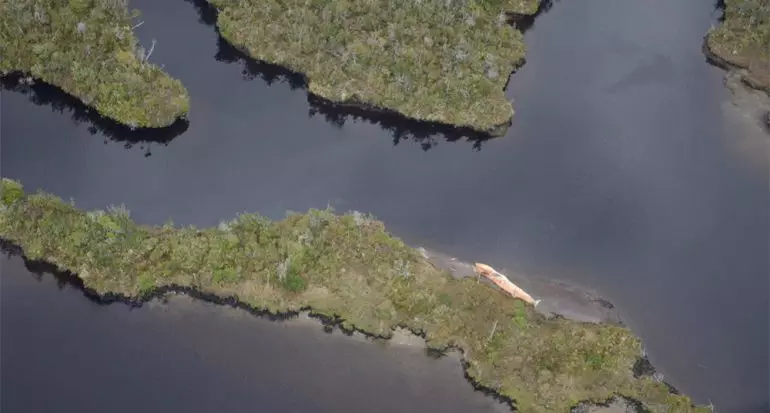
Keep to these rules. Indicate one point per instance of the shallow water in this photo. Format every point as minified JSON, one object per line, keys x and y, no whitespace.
{"x":617,"y":174}
{"x":60,"y":349}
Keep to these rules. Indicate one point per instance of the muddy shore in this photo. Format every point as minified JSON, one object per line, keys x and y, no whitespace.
{"x":558,"y":298}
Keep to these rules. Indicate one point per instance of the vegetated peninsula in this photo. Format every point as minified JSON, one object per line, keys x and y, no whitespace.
{"x":443,"y":61}
{"x":743,"y":41}
{"x":346,"y":268}
{"x":88,"y":49}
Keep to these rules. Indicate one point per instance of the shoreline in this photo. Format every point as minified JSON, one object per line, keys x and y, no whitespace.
{"x":347,"y":271}
{"x":441,"y":111}
{"x":717,"y":60}
{"x":401,"y":335}
{"x":328,"y":324}
{"x":740,"y":43}
{"x":339,"y":113}
{"x":560,"y":299}
{"x":368,"y":111}
{"x":407,"y":85}
{"x":88,"y":49}
{"x":42,"y":93}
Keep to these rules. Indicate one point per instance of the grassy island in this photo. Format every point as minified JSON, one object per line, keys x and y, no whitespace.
{"x":743,"y":40}
{"x":443,"y":61}
{"x":347,"y":268}
{"x":87,"y":48}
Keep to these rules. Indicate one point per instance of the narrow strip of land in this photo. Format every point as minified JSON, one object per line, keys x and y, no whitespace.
{"x":344,"y":267}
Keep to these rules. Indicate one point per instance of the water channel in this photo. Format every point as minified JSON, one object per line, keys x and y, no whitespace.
{"x":619,"y":174}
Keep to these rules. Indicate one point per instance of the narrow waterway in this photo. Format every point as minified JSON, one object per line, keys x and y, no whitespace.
{"x":619,"y":173}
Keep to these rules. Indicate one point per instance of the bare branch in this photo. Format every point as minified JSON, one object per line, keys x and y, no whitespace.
{"x":494,"y":327}
{"x":137,"y":25}
{"x":146,"y":58}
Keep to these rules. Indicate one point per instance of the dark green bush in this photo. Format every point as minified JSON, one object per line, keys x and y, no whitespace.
{"x":10,"y":192}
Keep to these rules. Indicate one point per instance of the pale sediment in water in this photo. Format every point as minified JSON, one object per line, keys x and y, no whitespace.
{"x":747,"y":115}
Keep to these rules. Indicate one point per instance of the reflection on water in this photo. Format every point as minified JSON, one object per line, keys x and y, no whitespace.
{"x":257,"y":69}
{"x":616,"y":174}
{"x":525,"y":22}
{"x":58,"y":349}
{"x":427,"y":134}
{"x":719,"y":10}
{"x":44,"y":94}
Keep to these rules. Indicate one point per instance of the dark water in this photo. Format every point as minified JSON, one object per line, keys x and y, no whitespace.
{"x":617,"y":174}
{"x":63,"y":353}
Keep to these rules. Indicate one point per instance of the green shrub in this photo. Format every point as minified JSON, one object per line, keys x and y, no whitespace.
{"x":145,"y":284}
{"x":223,"y":276}
{"x":294,"y":282}
{"x":12,"y":191}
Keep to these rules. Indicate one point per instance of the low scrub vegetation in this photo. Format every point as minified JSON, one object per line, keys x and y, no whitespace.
{"x":87,"y":48}
{"x":444,"y":61}
{"x":344,"y":267}
{"x":743,"y":39}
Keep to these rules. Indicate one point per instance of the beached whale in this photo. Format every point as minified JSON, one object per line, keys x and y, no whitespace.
{"x":503,"y":282}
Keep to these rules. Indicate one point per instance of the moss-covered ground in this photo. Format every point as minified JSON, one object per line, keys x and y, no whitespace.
{"x":743,"y":39}
{"x":345,"y":267}
{"x":444,"y":61}
{"x":88,"y":49}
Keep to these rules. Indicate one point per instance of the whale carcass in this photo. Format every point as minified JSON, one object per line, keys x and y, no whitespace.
{"x":504,"y":283}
